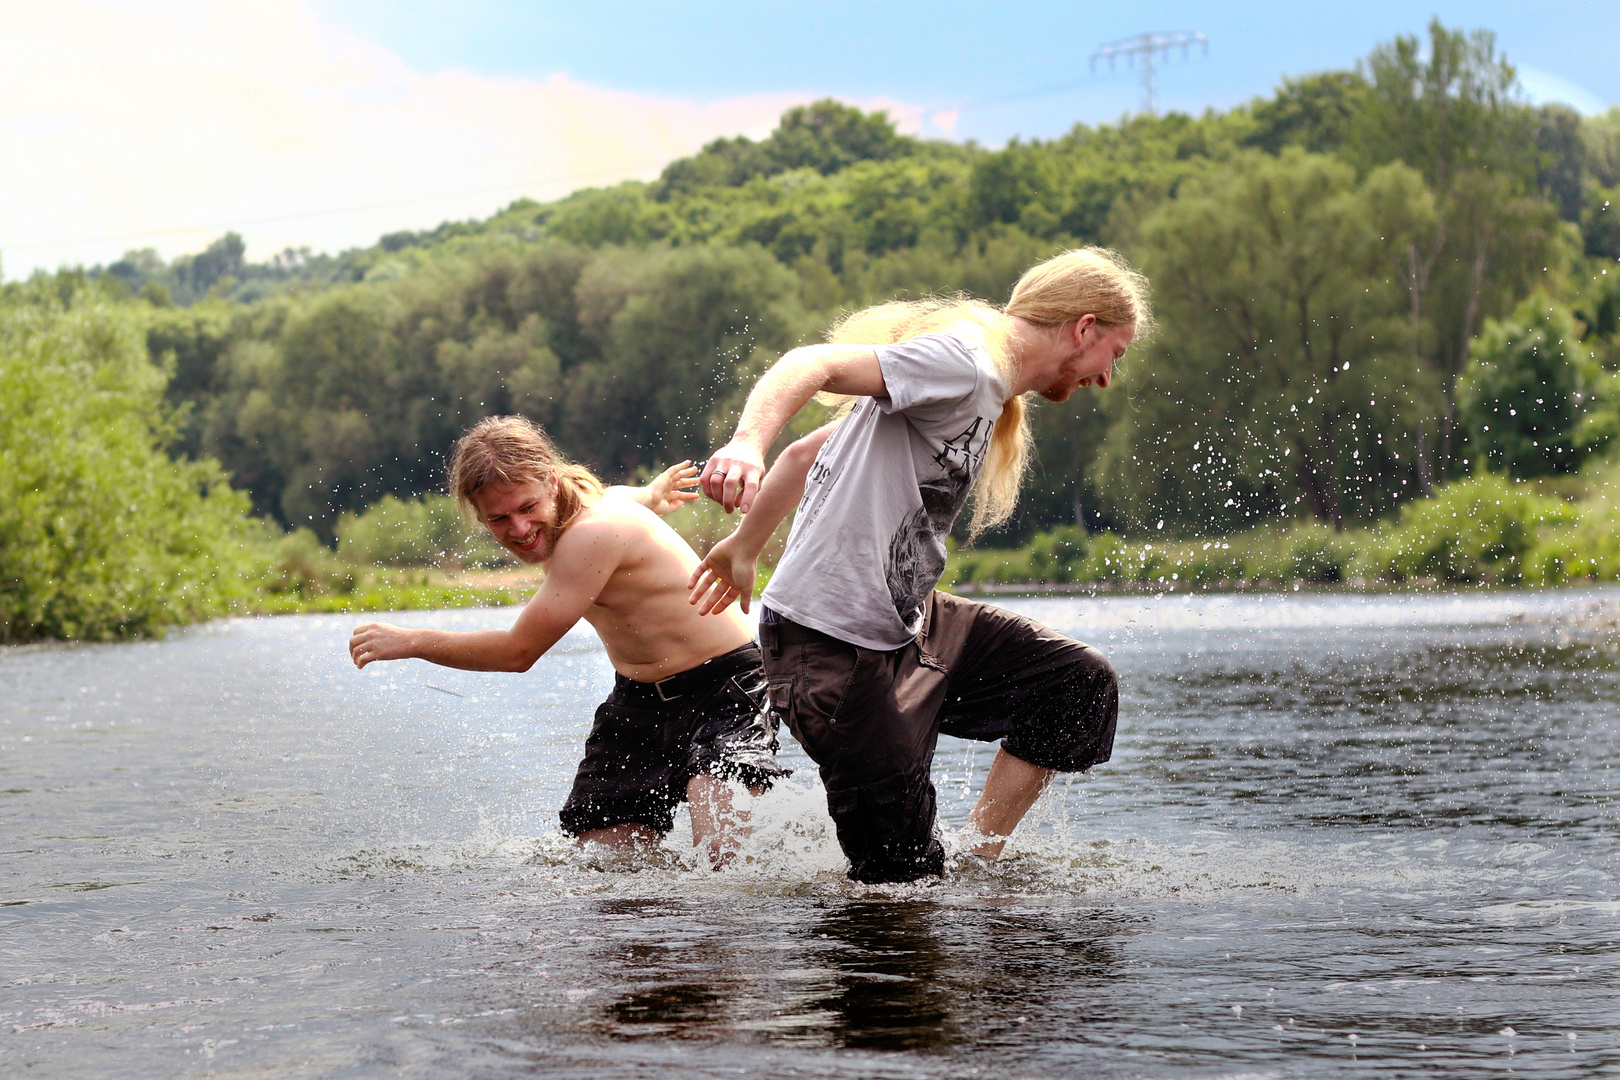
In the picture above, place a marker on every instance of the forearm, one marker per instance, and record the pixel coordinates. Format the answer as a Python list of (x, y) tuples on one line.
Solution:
[(778, 396), (781, 491), (474, 650)]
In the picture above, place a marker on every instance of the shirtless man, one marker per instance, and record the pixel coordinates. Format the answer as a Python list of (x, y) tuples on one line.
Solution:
[(688, 712)]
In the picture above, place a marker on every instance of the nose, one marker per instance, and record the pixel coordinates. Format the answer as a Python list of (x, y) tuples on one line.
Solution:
[(1103, 377)]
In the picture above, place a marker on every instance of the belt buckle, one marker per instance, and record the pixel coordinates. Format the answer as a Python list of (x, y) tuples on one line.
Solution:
[(659, 686)]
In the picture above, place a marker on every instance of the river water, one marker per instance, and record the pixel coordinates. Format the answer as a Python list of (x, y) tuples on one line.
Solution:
[(1338, 835)]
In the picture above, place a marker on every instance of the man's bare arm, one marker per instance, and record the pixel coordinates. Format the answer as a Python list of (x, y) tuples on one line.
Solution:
[(585, 558), (727, 571), (667, 492), (733, 473)]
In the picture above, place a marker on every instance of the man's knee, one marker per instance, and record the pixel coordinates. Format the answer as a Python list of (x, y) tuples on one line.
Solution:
[(1071, 727)]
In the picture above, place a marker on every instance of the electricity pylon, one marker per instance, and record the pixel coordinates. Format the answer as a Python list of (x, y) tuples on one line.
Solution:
[(1148, 46)]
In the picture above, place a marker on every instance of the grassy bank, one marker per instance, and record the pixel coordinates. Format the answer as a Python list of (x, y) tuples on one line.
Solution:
[(298, 574), (1486, 530)]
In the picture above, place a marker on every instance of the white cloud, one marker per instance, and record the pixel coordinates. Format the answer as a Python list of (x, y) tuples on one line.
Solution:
[(1542, 87), (163, 124)]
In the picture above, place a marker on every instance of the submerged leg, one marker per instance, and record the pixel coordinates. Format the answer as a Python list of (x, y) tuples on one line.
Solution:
[(629, 834), (718, 825), (1009, 791)]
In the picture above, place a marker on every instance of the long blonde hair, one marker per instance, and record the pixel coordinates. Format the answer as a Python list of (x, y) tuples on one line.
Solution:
[(500, 451), (1086, 281)]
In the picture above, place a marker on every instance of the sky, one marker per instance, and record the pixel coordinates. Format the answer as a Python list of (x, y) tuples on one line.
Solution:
[(326, 123)]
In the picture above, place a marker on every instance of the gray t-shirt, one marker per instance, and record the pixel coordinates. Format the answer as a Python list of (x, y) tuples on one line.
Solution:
[(868, 544)]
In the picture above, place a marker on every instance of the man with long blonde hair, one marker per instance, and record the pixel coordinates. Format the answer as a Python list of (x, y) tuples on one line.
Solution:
[(688, 715), (867, 661)]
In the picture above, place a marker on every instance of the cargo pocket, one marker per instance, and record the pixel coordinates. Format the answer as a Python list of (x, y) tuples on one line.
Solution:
[(887, 829), (779, 693)]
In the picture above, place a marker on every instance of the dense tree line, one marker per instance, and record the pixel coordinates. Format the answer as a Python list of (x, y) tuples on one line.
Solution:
[(1369, 283), (102, 534)]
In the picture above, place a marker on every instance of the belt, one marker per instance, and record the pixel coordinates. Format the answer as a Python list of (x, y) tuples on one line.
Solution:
[(773, 636), (706, 676)]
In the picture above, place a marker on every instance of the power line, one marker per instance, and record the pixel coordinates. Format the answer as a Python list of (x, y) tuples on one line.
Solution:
[(1148, 46)]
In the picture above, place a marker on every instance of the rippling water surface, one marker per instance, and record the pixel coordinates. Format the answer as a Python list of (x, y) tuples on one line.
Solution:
[(1338, 834)]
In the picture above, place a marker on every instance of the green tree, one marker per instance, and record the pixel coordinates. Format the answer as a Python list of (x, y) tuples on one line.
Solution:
[(674, 329), (1283, 379), (1600, 223), (1316, 113), (102, 534), (1562, 173), (1601, 134), (1521, 395), (1456, 117)]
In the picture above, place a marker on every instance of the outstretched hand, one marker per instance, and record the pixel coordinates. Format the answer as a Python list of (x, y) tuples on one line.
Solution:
[(731, 477), (725, 574), (673, 488), (378, 641)]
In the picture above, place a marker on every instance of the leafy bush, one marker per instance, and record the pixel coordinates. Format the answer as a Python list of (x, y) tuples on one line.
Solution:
[(298, 563), (1055, 555), (1521, 396), (102, 535), (1473, 530), (429, 531), (987, 566)]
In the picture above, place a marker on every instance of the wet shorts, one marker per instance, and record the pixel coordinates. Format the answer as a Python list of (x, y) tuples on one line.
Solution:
[(650, 739), (870, 718)]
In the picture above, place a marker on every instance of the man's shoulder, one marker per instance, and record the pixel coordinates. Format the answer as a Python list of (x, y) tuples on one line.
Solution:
[(617, 520)]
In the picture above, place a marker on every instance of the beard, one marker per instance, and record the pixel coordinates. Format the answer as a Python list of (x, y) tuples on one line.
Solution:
[(545, 544)]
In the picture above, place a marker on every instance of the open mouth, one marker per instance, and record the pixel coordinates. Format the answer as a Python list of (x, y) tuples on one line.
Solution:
[(530, 544)]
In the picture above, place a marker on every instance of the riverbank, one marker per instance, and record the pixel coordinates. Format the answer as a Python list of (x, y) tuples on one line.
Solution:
[(1482, 532)]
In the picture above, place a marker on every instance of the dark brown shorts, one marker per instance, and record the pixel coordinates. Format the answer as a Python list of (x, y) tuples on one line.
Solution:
[(650, 739), (870, 718)]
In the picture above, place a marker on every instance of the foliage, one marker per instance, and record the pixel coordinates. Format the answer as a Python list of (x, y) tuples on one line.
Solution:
[(1456, 117), (102, 535), (1484, 530), (321, 404), (1521, 397), (1600, 223), (1478, 529), (1283, 380), (1380, 217), (429, 531)]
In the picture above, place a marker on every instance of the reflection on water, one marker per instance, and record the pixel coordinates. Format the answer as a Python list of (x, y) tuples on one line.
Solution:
[(885, 980), (1337, 834)]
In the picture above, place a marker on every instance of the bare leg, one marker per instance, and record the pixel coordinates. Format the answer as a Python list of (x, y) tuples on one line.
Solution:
[(1009, 791), (717, 824), (630, 834)]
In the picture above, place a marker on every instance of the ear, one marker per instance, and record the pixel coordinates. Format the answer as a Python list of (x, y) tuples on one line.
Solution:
[(1082, 325)]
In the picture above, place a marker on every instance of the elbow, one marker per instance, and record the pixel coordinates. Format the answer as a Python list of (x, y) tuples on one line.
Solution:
[(522, 662), (799, 454)]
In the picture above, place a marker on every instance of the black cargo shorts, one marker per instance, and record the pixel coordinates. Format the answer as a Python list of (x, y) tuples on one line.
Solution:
[(650, 739), (870, 718)]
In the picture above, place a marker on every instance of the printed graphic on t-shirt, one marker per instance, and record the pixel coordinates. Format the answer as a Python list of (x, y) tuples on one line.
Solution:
[(819, 475), (916, 550)]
